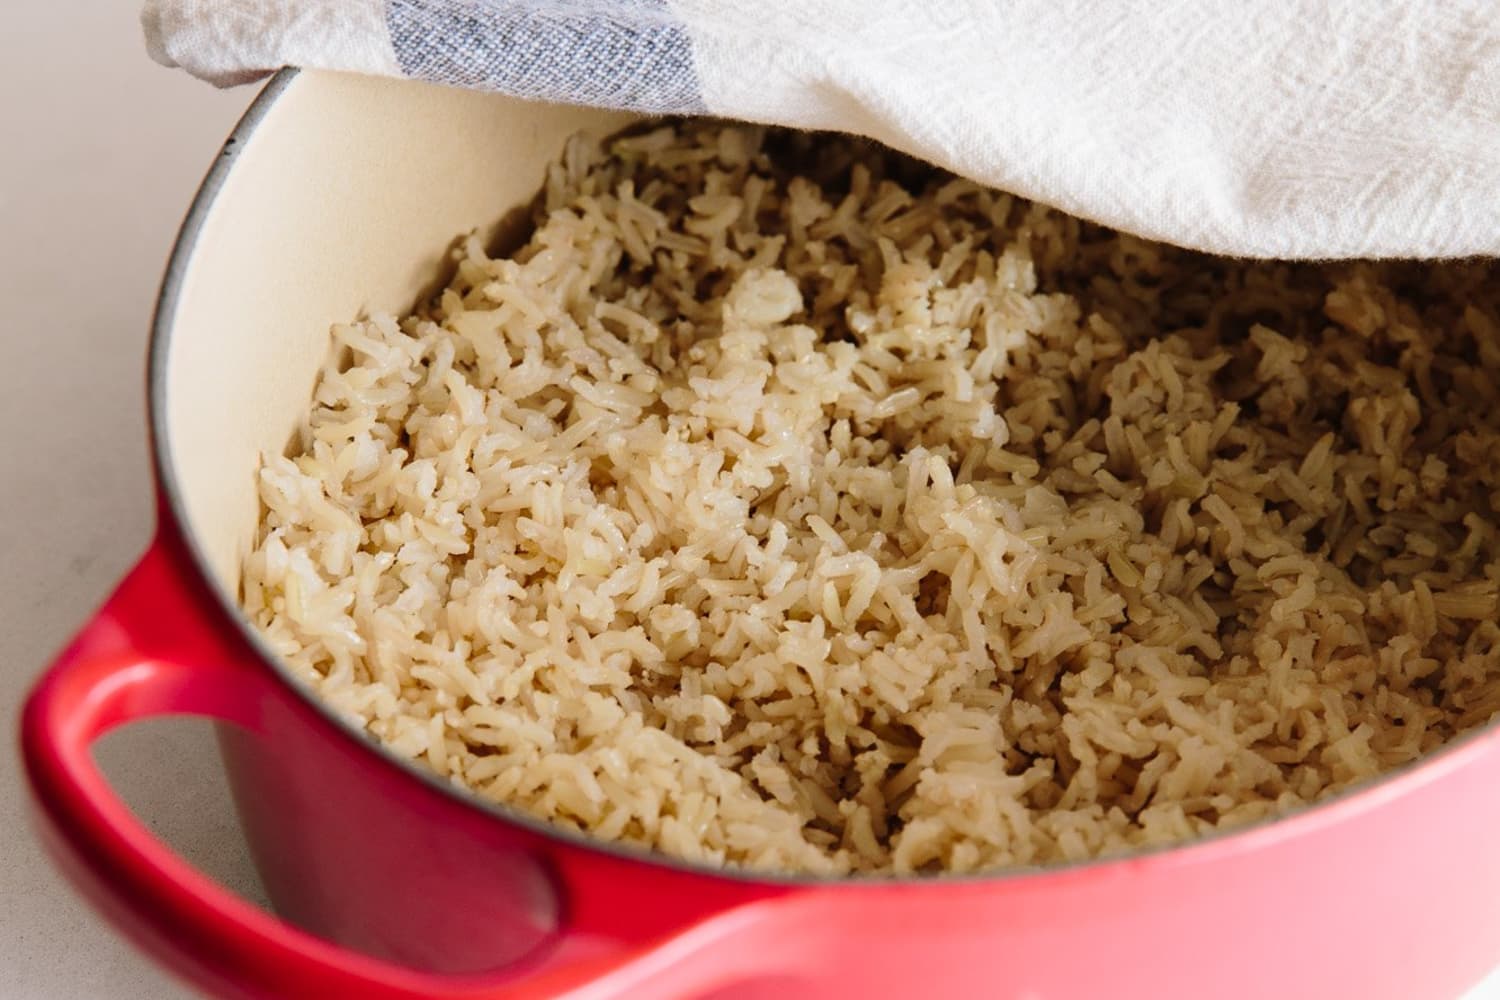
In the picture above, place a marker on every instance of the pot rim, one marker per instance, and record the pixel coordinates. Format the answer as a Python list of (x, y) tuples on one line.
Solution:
[(1345, 804)]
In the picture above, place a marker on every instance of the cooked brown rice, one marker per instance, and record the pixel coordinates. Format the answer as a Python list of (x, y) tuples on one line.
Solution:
[(783, 503)]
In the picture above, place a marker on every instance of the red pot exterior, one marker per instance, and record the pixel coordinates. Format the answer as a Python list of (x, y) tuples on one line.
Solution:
[(1393, 892), (395, 887)]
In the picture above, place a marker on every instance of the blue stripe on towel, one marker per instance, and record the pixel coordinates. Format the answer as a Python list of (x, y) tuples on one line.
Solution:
[(629, 54)]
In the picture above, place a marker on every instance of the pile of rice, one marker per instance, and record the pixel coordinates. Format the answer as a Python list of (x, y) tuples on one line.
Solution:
[(783, 503)]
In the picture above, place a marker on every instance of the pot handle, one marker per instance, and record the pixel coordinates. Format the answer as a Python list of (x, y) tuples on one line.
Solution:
[(160, 646)]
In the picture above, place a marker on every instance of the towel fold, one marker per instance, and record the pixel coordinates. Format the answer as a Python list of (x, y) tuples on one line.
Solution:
[(1302, 128)]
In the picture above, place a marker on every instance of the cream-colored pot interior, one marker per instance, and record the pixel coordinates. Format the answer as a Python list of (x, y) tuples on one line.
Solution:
[(339, 196)]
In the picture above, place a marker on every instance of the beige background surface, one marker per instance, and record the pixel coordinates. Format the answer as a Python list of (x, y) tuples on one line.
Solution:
[(100, 152)]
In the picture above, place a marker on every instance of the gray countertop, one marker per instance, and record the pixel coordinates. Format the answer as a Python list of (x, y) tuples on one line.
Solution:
[(102, 151)]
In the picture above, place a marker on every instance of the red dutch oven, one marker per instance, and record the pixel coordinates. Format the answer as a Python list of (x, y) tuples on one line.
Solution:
[(393, 884)]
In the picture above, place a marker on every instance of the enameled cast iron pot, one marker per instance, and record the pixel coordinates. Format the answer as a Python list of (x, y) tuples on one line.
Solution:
[(340, 194)]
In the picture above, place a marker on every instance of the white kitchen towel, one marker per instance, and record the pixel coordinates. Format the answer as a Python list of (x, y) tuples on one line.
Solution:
[(1285, 128)]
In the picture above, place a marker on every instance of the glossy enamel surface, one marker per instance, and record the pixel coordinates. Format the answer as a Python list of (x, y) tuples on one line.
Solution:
[(337, 186)]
